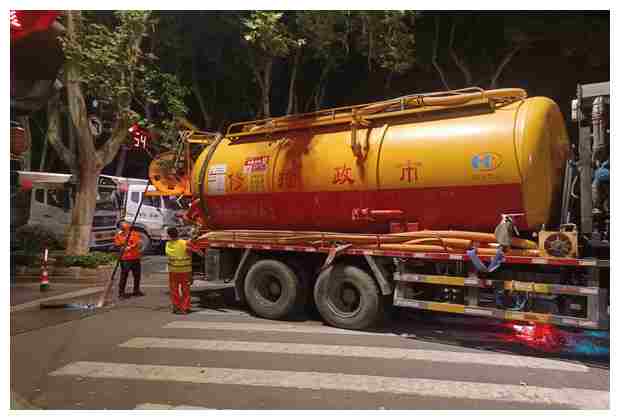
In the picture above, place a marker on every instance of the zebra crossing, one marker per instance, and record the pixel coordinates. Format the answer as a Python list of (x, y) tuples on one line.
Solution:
[(267, 356)]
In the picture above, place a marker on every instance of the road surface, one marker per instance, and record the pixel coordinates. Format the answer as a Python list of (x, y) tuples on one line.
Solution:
[(138, 355)]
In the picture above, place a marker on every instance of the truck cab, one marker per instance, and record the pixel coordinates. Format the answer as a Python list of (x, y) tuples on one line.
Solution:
[(52, 201), (157, 213)]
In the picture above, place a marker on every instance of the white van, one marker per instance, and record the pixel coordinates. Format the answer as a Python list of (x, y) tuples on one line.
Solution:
[(52, 201), (157, 214)]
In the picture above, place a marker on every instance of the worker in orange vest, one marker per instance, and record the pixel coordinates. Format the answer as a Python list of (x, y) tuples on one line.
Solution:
[(180, 269), (129, 241)]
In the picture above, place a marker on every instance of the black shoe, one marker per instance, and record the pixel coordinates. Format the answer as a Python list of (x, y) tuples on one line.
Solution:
[(138, 293), (124, 296)]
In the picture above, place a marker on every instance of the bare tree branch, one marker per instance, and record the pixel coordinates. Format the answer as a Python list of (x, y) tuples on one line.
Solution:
[(53, 132), (108, 151), (291, 88), (503, 64), (434, 60), (459, 63)]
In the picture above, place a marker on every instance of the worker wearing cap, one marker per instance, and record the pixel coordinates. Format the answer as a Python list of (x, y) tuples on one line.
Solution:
[(180, 269), (129, 242)]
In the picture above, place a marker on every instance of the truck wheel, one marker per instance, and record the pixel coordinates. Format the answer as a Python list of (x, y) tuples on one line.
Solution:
[(145, 242), (272, 290), (347, 297)]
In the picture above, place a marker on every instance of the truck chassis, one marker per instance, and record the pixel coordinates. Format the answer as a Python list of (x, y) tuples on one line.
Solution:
[(568, 292)]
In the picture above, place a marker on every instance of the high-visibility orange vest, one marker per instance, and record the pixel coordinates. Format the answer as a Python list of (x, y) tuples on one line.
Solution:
[(132, 253), (179, 260)]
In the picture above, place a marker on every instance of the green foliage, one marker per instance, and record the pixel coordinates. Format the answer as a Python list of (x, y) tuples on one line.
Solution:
[(108, 51), (387, 39), (268, 35), (327, 34), (92, 260), (33, 239)]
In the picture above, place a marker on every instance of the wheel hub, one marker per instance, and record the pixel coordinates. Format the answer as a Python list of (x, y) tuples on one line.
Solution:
[(348, 296), (274, 288)]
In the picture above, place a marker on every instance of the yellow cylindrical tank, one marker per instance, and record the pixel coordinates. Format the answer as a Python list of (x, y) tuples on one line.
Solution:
[(450, 169)]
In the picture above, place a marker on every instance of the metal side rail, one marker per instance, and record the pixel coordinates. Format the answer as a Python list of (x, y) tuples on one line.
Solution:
[(597, 318), (378, 252)]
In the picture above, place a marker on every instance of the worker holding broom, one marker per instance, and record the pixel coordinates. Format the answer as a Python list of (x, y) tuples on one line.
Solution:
[(180, 269)]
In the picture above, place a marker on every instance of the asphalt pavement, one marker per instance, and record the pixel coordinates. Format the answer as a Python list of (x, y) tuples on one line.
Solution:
[(136, 354)]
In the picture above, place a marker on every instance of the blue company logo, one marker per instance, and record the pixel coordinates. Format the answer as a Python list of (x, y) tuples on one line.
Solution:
[(486, 161)]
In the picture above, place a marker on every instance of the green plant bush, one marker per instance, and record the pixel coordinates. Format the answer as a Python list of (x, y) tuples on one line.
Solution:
[(33, 239), (92, 260)]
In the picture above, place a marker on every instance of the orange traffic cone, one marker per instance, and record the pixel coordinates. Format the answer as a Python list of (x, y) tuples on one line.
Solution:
[(45, 283)]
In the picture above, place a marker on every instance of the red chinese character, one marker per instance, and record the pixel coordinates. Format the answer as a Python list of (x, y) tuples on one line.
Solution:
[(343, 175), (236, 182), (410, 173)]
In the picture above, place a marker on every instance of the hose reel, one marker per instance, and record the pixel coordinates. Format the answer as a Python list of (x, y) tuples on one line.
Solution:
[(169, 174)]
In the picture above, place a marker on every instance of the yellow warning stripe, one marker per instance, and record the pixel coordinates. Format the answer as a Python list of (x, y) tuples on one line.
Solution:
[(519, 286), (445, 307)]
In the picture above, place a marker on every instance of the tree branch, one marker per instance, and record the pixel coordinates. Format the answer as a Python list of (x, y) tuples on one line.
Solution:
[(53, 129), (503, 64), (108, 151), (75, 98), (198, 94), (434, 60), (291, 87), (459, 63)]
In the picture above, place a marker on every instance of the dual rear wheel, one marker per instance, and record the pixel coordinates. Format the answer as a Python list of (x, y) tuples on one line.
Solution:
[(345, 296)]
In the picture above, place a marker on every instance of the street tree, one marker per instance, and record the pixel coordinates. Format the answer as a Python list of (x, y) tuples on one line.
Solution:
[(480, 47), (104, 59), (387, 40), (326, 34), (268, 39)]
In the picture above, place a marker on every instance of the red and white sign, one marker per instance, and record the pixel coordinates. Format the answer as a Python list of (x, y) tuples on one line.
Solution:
[(139, 136), (256, 164)]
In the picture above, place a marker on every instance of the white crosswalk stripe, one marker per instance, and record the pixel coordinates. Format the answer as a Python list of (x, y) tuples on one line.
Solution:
[(267, 327), (338, 377), (578, 398), (355, 351), (157, 406)]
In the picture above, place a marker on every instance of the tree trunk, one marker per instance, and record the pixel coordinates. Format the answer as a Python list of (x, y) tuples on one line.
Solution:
[(291, 87), (267, 88), (120, 163), (434, 59), (458, 61), (500, 67), (320, 90), (54, 132), (43, 156), (25, 122), (197, 93), (78, 240), (72, 143)]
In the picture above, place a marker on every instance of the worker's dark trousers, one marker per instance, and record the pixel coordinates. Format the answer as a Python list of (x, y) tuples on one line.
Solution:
[(133, 266)]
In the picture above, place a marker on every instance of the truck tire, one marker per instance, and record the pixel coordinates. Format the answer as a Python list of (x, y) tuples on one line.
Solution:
[(348, 297), (272, 290)]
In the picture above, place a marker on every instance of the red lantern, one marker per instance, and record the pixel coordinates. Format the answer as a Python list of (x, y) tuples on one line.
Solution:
[(25, 22)]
